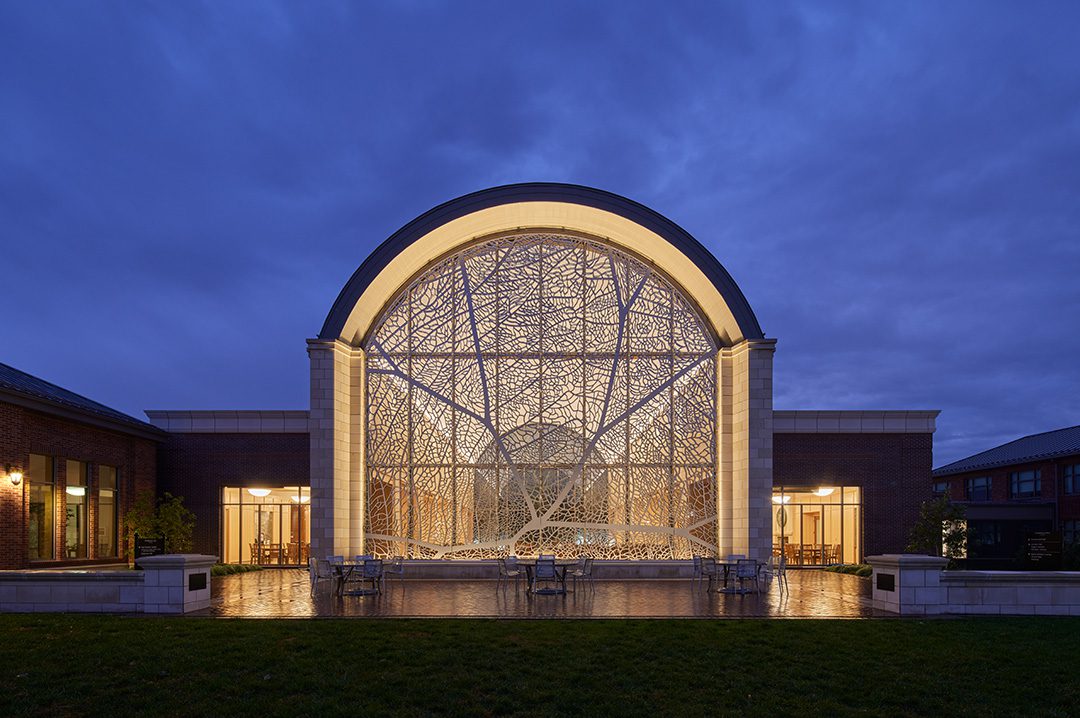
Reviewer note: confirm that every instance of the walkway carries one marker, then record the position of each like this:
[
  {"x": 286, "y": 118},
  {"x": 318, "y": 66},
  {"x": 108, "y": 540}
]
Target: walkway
[{"x": 285, "y": 593}]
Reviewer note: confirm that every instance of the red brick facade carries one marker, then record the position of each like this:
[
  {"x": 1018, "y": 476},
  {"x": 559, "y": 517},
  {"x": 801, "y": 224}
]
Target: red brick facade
[
  {"x": 198, "y": 465},
  {"x": 24, "y": 431},
  {"x": 894, "y": 471},
  {"x": 1066, "y": 507}
]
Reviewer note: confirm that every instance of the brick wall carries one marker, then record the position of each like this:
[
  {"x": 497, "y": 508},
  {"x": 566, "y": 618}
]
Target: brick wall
[
  {"x": 197, "y": 466},
  {"x": 894, "y": 471},
  {"x": 24, "y": 432},
  {"x": 1051, "y": 479}
]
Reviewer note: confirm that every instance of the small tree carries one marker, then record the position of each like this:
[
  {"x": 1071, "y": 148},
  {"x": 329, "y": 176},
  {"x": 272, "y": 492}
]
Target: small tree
[
  {"x": 169, "y": 519},
  {"x": 940, "y": 531},
  {"x": 176, "y": 523}
]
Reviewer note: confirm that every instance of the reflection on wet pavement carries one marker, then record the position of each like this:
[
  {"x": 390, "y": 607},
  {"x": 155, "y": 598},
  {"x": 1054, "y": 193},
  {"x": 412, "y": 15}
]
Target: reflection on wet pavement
[{"x": 285, "y": 593}]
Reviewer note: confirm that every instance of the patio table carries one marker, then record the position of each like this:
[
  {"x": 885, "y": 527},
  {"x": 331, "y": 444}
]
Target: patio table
[
  {"x": 560, "y": 570},
  {"x": 346, "y": 570},
  {"x": 729, "y": 569}
]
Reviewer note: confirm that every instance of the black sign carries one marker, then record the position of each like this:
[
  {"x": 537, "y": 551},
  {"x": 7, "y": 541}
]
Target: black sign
[
  {"x": 196, "y": 581},
  {"x": 148, "y": 547},
  {"x": 1044, "y": 550},
  {"x": 886, "y": 582}
]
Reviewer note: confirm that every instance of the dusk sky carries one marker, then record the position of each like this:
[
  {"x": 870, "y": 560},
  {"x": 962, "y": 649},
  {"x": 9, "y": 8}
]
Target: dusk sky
[{"x": 186, "y": 187}]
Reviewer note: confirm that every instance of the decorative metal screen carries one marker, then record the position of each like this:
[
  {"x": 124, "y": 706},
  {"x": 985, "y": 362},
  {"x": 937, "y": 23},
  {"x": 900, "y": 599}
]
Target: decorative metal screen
[{"x": 541, "y": 393}]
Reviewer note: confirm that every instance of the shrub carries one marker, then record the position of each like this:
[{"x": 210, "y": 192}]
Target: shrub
[{"x": 226, "y": 569}]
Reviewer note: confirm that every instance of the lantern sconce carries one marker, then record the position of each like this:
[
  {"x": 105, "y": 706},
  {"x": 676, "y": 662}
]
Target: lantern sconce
[{"x": 15, "y": 475}]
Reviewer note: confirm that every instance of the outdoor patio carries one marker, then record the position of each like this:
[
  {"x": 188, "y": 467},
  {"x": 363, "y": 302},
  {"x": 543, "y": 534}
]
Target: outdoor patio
[{"x": 285, "y": 593}]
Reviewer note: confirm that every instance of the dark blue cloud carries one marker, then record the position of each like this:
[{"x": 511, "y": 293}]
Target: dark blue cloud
[{"x": 184, "y": 188}]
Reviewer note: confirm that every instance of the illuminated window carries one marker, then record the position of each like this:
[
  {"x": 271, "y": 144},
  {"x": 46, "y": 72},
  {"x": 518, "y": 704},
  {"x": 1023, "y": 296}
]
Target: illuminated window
[
  {"x": 1024, "y": 484},
  {"x": 541, "y": 393},
  {"x": 40, "y": 482},
  {"x": 977, "y": 488},
  {"x": 941, "y": 488},
  {"x": 77, "y": 510},
  {"x": 106, "y": 511},
  {"x": 268, "y": 525}
]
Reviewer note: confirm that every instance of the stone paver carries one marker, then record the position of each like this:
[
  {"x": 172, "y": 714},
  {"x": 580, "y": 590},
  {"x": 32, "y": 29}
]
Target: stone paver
[{"x": 285, "y": 593}]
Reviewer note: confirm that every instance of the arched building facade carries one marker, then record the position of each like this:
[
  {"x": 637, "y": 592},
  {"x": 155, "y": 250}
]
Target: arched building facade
[{"x": 541, "y": 368}]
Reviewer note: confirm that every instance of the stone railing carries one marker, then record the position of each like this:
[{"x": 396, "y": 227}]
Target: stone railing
[
  {"x": 170, "y": 583},
  {"x": 915, "y": 585}
]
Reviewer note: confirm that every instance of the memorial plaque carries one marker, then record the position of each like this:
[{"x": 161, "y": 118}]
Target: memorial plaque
[
  {"x": 1044, "y": 550},
  {"x": 148, "y": 547},
  {"x": 196, "y": 581},
  {"x": 886, "y": 582}
]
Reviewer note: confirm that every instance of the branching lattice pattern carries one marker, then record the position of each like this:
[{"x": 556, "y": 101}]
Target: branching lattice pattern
[{"x": 541, "y": 393}]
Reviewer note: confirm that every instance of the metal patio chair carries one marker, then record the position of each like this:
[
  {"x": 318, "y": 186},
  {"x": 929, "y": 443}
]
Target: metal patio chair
[
  {"x": 546, "y": 571},
  {"x": 583, "y": 571},
  {"x": 395, "y": 569},
  {"x": 508, "y": 571},
  {"x": 320, "y": 570},
  {"x": 746, "y": 570}
]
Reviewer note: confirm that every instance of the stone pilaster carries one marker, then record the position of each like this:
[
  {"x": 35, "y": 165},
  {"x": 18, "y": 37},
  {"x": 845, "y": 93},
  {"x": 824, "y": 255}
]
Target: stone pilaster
[
  {"x": 336, "y": 428},
  {"x": 745, "y": 479}
]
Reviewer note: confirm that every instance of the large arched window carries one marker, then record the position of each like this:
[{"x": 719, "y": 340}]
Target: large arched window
[{"x": 541, "y": 393}]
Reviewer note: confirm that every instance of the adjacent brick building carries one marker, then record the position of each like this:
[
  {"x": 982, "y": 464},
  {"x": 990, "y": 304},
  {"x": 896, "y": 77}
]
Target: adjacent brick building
[
  {"x": 1012, "y": 491},
  {"x": 81, "y": 465}
]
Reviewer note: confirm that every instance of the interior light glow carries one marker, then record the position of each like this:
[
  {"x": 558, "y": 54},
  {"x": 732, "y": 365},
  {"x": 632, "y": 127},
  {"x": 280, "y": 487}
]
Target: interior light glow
[
  {"x": 76, "y": 491},
  {"x": 824, "y": 491},
  {"x": 259, "y": 492}
]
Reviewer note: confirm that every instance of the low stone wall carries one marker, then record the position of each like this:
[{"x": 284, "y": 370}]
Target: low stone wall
[
  {"x": 459, "y": 570},
  {"x": 915, "y": 585},
  {"x": 171, "y": 583}
]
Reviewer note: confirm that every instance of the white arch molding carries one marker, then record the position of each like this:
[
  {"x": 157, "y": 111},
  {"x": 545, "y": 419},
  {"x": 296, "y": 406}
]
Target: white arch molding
[{"x": 742, "y": 364}]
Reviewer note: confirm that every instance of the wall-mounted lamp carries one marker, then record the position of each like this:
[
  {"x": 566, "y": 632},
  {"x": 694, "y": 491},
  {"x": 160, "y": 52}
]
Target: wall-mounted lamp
[
  {"x": 14, "y": 474},
  {"x": 824, "y": 491},
  {"x": 260, "y": 493},
  {"x": 298, "y": 499}
]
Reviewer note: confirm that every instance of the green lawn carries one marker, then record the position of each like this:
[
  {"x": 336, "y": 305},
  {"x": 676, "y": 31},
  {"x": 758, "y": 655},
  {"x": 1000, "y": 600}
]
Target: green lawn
[{"x": 94, "y": 665}]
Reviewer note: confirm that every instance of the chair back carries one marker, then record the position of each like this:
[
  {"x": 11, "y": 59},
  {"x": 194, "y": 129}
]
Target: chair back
[
  {"x": 587, "y": 568},
  {"x": 510, "y": 562},
  {"x": 746, "y": 568},
  {"x": 323, "y": 568},
  {"x": 707, "y": 565},
  {"x": 545, "y": 568},
  {"x": 373, "y": 568},
  {"x": 336, "y": 559},
  {"x": 697, "y": 564},
  {"x": 582, "y": 561}
]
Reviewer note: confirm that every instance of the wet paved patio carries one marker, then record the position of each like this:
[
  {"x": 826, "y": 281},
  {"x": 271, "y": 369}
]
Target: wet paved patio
[{"x": 275, "y": 593}]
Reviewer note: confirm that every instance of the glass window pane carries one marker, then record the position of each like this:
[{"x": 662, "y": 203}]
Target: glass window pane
[
  {"x": 39, "y": 480},
  {"x": 76, "y": 514},
  {"x": 106, "y": 512}
]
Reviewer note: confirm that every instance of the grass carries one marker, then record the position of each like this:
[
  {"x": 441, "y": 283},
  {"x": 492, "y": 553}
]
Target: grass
[{"x": 59, "y": 665}]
